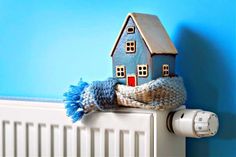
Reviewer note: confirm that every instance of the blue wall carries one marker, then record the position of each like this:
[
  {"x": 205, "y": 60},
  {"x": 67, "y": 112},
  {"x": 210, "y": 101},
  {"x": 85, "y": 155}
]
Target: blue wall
[{"x": 47, "y": 45}]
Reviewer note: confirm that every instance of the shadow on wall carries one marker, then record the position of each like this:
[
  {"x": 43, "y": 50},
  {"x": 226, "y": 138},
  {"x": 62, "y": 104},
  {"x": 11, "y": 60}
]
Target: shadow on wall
[{"x": 205, "y": 74}]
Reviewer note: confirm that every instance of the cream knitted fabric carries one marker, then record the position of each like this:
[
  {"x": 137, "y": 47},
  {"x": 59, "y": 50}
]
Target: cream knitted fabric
[{"x": 160, "y": 94}]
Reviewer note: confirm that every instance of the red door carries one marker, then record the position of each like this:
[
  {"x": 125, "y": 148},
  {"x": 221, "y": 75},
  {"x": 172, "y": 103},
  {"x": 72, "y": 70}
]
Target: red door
[{"x": 131, "y": 81}]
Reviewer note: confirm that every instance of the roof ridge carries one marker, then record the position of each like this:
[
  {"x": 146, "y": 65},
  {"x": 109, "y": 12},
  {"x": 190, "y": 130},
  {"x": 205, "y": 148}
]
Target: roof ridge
[{"x": 152, "y": 32}]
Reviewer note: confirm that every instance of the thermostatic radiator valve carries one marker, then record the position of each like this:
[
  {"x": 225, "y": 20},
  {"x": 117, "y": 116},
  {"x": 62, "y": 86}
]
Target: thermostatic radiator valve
[{"x": 193, "y": 123}]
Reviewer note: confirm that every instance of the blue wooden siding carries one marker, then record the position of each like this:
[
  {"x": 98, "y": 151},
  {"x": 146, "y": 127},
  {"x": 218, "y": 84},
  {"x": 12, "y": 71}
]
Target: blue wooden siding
[
  {"x": 130, "y": 61},
  {"x": 158, "y": 61},
  {"x": 141, "y": 56}
]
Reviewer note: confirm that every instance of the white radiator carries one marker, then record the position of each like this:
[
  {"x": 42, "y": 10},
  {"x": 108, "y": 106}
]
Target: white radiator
[{"x": 30, "y": 128}]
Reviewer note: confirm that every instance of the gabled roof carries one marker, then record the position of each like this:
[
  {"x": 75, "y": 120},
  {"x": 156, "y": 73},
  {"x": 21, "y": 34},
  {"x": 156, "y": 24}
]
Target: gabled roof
[{"x": 152, "y": 32}]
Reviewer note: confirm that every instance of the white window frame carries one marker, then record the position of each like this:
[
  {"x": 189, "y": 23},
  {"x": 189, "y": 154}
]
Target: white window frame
[
  {"x": 128, "y": 30},
  {"x": 165, "y": 70},
  {"x": 120, "y": 71},
  {"x": 130, "y": 46},
  {"x": 142, "y": 70}
]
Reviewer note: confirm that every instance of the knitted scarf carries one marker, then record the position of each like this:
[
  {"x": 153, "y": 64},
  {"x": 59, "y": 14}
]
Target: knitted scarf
[{"x": 160, "y": 94}]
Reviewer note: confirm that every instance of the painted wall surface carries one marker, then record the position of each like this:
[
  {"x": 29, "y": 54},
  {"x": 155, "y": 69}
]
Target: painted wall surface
[
  {"x": 131, "y": 60},
  {"x": 47, "y": 45}
]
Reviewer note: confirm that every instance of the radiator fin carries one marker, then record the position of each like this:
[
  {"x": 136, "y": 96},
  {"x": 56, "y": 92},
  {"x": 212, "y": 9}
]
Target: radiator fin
[{"x": 49, "y": 133}]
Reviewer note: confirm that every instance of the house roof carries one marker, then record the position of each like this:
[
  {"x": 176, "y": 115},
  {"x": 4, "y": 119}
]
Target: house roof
[{"x": 153, "y": 33}]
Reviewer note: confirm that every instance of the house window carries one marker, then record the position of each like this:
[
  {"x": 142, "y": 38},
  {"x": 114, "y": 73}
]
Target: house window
[
  {"x": 130, "y": 47},
  {"x": 130, "y": 30},
  {"x": 120, "y": 71},
  {"x": 142, "y": 70},
  {"x": 165, "y": 70}
]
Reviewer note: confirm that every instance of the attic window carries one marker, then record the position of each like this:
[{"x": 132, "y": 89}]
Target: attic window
[
  {"x": 142, "y": 70},
  {"x": 130, "y": 30},
  {"x": 130, "y": 47},
  {"x": 165, "y": 70},
  {"x": 120, "y": 71}
]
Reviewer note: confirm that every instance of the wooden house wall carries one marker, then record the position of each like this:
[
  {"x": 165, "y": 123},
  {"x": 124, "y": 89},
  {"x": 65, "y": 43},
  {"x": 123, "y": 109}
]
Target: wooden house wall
[{"x": 130, "y": 61}]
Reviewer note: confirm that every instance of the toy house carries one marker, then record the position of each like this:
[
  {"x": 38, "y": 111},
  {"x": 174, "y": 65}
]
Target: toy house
[{"x": 143, "y": 51}]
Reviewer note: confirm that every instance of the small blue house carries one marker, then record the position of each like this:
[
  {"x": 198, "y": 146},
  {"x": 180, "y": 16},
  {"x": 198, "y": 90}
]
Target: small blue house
[{"x": 143, "y": 51}]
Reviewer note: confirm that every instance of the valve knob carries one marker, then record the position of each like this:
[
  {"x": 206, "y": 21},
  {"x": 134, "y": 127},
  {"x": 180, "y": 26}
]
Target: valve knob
[
  {"x": 193, "y": 123},
  {"x": 206, "y": 124}
]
